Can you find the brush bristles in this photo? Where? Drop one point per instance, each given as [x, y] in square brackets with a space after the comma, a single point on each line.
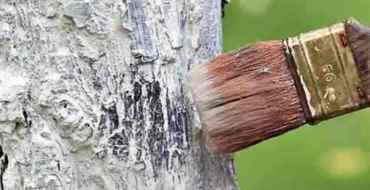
[246, 96]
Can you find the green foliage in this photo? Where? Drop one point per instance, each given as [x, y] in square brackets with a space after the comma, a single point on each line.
[332, 155]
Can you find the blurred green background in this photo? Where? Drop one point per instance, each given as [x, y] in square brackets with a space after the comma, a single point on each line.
[334, 155]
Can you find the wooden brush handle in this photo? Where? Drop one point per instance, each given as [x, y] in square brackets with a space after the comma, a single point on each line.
[359, 40]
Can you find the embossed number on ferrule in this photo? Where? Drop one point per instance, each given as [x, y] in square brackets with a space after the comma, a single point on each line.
[327, 72]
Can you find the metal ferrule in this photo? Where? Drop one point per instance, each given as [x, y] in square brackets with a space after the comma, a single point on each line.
[325, 73]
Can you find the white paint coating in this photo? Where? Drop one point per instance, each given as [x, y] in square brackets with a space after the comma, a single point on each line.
[93, 95]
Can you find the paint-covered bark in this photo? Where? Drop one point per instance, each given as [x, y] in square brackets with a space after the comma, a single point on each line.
[94, 95]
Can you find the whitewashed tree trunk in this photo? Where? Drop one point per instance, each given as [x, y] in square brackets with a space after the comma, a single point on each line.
[93, 95]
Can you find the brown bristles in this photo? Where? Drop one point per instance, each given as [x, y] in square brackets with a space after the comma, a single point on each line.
[246, 96]
[262, 91]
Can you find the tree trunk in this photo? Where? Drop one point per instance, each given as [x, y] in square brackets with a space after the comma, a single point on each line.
[93, 95]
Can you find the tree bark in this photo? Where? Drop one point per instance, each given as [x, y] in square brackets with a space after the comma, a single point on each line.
[93, 95]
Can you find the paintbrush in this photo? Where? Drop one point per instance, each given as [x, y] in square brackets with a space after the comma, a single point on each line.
[264, 90]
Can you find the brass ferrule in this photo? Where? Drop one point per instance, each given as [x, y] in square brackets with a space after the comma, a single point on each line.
[326, 75]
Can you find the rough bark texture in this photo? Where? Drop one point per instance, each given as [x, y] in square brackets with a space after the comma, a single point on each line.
[93, 95]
